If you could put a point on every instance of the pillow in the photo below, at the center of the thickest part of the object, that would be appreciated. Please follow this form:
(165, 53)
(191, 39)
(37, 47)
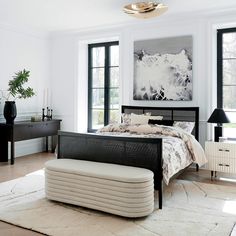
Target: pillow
(126, 118)
(161, 122)
(185, 125)
(155, 117)
(143, 120)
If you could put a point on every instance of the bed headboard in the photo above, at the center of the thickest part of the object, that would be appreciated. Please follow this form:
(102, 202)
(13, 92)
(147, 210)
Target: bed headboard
(169, 113)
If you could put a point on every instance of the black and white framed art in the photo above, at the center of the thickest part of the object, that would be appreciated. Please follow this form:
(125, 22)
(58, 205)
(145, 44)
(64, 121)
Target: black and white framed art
(163, 69)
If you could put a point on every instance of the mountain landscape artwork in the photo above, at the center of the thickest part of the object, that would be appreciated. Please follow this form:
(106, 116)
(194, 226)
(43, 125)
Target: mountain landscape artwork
(163, 69)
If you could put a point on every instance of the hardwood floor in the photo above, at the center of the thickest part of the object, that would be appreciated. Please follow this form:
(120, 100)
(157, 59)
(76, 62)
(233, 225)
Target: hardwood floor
(204, 176)
(27, 164)
(23, 165)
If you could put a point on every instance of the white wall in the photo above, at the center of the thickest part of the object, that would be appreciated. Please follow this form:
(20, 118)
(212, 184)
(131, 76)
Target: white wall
(19, 50)
(60, 64)
(67, 68)
(64, 83)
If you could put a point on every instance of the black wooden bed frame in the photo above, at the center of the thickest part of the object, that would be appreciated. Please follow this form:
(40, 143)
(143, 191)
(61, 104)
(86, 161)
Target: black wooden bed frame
(131, 151)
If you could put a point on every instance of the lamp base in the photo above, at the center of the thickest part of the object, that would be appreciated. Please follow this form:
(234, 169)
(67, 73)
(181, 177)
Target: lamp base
(218, 133)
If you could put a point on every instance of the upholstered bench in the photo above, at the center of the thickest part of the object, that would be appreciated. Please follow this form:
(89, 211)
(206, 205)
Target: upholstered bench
(117, 189)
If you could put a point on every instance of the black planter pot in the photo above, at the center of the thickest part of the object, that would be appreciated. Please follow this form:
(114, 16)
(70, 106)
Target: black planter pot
(10, 112)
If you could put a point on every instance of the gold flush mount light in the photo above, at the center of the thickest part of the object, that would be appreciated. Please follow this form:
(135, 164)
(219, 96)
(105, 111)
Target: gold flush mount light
(145, 10)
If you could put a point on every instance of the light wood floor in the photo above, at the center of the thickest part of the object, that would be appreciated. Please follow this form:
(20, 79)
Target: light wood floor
(27, 164)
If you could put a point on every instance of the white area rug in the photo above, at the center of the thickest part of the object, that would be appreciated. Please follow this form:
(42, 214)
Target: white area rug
(190, 209)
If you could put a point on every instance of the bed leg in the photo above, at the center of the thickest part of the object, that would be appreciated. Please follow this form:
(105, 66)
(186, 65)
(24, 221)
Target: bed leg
(160, 195)
(158, 187)
(197, 167)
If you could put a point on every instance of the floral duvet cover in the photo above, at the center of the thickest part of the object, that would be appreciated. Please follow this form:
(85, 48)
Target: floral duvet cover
(180, 148)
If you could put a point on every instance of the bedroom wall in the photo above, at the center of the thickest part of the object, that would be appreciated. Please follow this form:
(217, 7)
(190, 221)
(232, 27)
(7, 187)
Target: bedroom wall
(27, 49)
(71, 48)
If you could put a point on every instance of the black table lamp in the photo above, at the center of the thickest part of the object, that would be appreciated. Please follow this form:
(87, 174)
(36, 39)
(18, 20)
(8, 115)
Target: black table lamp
(218, 116)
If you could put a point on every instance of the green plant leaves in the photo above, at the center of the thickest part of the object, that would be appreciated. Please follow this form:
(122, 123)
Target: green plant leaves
(16, 88)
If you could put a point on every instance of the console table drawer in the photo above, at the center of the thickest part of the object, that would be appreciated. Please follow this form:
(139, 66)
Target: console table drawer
(35, 130)
(44, 129)
(22, 132)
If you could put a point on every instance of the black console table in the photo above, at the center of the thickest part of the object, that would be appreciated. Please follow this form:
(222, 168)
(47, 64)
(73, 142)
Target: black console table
(24, 130)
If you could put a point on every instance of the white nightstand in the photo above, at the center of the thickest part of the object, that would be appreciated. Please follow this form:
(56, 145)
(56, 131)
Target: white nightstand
(221, 156)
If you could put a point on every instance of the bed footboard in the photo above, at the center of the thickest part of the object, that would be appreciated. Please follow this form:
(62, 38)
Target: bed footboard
(131, 151)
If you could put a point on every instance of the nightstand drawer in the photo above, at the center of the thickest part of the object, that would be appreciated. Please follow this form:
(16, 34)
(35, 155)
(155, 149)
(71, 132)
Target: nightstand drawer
(226, 150)
(222, 164)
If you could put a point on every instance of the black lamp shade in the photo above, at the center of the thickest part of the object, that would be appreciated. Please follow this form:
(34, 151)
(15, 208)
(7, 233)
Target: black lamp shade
(218, 116)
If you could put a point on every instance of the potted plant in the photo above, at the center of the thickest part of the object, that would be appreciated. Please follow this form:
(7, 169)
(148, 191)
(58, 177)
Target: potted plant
(16, 90)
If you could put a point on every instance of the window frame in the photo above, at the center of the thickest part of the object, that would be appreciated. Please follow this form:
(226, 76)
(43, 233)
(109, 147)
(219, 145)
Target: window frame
(220, 33)
(106, 87)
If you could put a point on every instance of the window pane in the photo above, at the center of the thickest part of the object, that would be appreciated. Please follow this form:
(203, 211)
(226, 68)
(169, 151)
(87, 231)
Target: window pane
(114, 116)
(114, 55)
(98, 55)
(229, 45)
(229, 97)
(97, 119)
(114, 77)
(114, 98)
(98, 78)
(229, 72)
(229, 130)
(232, 117)
(98, 98)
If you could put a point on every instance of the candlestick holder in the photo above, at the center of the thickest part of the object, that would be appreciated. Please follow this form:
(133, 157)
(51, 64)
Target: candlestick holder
(48, 114)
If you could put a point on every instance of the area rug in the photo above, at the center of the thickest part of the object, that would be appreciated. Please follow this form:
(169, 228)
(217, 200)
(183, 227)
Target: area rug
(190, 208)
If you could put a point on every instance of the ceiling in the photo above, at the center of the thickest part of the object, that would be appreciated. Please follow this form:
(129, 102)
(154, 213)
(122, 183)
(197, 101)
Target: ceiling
(57, 15)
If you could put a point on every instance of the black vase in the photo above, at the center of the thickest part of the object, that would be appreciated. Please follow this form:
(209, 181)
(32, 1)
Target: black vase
(10, 112)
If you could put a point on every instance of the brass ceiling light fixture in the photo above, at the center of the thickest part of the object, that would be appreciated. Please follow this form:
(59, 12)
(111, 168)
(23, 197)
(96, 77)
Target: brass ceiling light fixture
(144, 10)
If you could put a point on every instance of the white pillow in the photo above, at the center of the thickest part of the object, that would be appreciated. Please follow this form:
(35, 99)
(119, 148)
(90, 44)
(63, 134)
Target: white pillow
(126, 118)
(142, 119)
(156, 117)
(185, 125)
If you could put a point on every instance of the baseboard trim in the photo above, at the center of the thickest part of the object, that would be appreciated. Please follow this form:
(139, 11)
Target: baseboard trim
(27, 147)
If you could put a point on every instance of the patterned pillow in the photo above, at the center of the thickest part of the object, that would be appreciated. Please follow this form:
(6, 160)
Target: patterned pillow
(126, 118)
(185, 125)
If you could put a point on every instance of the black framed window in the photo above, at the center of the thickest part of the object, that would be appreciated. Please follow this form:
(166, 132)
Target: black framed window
(103, 84)
(226, 77)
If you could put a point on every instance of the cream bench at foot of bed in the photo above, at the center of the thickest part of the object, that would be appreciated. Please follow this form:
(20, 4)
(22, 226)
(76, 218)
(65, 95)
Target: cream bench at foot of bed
(117, 189)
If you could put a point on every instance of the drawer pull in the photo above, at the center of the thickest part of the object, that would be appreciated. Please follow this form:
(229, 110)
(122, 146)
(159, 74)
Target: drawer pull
(223, 150)
(227, 165)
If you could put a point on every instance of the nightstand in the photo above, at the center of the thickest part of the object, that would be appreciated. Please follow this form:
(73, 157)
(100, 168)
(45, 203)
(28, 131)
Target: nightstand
(221, 156)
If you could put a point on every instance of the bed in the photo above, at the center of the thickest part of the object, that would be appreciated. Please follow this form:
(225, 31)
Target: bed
(138, 151)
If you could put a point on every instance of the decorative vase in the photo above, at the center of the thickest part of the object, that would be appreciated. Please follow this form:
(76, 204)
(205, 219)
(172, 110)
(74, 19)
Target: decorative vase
(10, 111)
